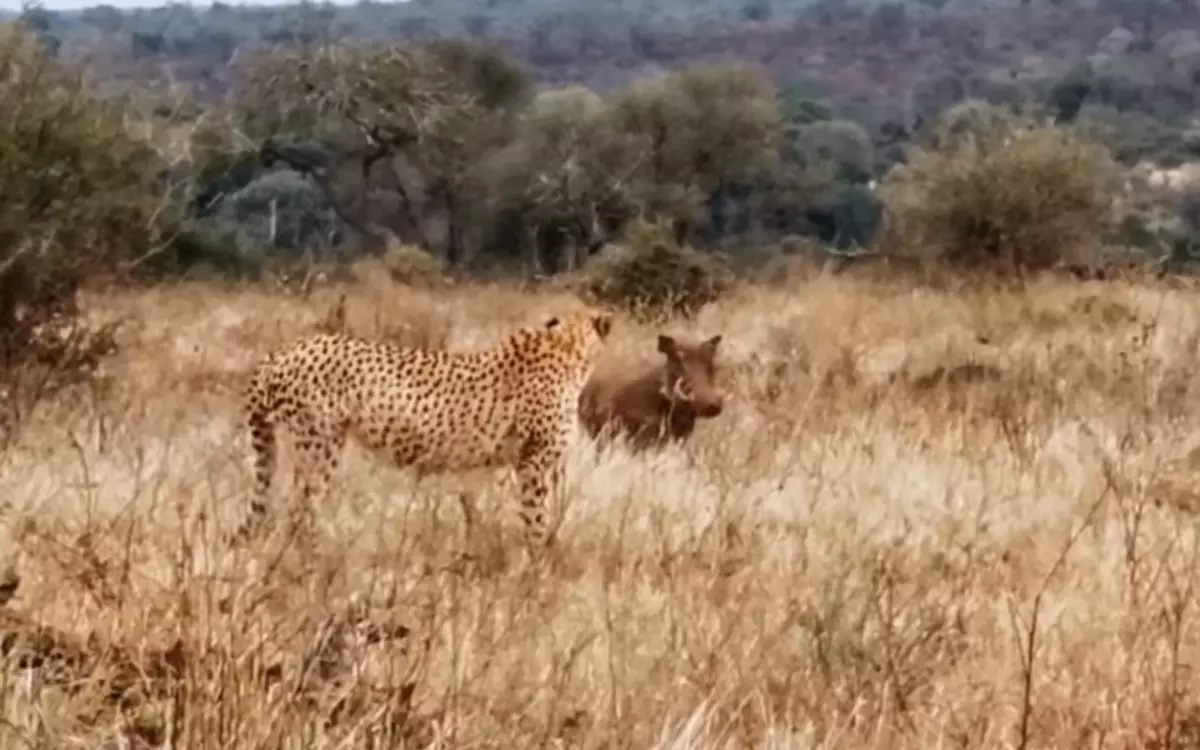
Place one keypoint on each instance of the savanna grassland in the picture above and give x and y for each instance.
(933, 514)
(929, 517)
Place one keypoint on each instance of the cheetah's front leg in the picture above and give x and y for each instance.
(539, 472)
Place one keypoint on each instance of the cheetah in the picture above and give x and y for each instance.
(513, 404)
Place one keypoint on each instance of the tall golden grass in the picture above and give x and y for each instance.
(958, 518)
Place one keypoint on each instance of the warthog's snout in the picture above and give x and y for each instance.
(710, 405)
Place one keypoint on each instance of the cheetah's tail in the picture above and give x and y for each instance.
(261, 403)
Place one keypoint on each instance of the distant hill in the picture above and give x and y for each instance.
(847, 51)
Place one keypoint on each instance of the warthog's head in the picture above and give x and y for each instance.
(689, 379)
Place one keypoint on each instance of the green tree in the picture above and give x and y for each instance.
(1133, 136)
(565, 177)
(841, 145)
(700, 129)
(1012, 195)
(392, 135)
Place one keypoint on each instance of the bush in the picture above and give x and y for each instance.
(649, 274)
(1017, 198)
(842, 145)
(208, 249)
(844, 216)
(1133, 137)
(302, 215)
(1188, 207)
(80, 201)
(405, 264)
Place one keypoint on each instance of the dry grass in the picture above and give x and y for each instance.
(928, 519)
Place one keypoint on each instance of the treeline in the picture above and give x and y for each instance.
(327, 151)
(446, 145)
(330, 151)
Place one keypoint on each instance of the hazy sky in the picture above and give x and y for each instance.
(12, 5)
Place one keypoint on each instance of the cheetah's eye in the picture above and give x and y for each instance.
(551, 323)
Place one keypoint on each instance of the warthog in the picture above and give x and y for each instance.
(661, 403)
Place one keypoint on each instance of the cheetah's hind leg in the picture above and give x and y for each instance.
(265, 449)
(317, 445)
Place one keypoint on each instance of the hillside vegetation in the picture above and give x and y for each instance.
(316, 131)
(950, 503)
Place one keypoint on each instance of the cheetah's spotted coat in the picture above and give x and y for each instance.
(514, 403)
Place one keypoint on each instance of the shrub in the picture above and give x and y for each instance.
(409, 264)
(1014, 198)
(1133, 136)
(281, 209)
(649, 274)
(80, 201)
(844, 216)
(841, 144)
(1188, 207)
(406, 264)
(209, 249)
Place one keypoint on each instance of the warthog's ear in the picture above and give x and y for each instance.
(603, 325)
(710, 346)
(666, 345)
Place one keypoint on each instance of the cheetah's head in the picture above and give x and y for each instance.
(587, 329)
(579, 335)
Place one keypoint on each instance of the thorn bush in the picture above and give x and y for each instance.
(408, 265)
(80, 203)
(649, 274)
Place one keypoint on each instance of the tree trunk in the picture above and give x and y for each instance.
(454, 234)
(533, 238)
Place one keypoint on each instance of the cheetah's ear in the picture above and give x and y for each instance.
(603, 325)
